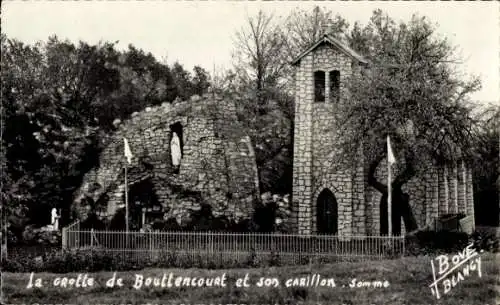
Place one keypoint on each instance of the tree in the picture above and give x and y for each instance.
(261, 78)
(201, 80)
(264, 48)
(258, 50)
(411, 92)
(182, 79)
(59, 100)
(143, 81)
(51, 93)
(304, 28)
(266, 45)
(485, 166)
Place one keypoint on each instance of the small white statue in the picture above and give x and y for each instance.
(175, 150)
(55, 219)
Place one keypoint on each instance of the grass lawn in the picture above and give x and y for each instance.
(408, 281)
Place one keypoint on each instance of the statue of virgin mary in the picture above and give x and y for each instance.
(175, 150)
(54, 219)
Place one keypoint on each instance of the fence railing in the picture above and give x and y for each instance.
(226, 246)
(67, 237)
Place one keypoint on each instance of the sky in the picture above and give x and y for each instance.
(202, 32)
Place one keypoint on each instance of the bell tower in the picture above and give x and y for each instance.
(324, 192)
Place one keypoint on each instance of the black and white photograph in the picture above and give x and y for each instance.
(250, 152)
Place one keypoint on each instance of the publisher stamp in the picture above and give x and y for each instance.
(448, 271)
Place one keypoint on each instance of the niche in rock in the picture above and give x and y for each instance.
(176, 145)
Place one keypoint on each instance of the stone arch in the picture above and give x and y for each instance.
(333, 188)
(326, 212)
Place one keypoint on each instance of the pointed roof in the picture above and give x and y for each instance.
(337, 44)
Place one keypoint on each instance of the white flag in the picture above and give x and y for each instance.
(128, 152)
(390, 155)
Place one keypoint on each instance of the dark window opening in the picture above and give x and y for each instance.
(335, 86)
(141, 197)
(319, 86)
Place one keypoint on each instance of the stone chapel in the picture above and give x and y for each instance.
(328, 200)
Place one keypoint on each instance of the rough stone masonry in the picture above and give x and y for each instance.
(218, 164)
(441, 190)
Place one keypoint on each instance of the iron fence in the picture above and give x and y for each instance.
(222, 246)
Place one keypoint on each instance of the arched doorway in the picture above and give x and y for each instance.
(326, 213)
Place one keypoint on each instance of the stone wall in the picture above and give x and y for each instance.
(218, 165)
(302, 162)
(429, 193)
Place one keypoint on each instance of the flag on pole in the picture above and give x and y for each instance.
(390, 155)
(128, 152)
(390, 161)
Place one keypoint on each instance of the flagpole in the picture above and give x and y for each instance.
(390, 160)
(128, 156)
(126, 200)
(389, 199)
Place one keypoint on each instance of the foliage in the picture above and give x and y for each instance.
(59, 100)
(440, 242)
(427, 120)
(486, 166)
(432, 242)
(410, 91)
(267, 44)
(486, 241)
(200, 81)
(304, 28)
(257, 52)
(37, 236)
(96, 259)
(265, 111)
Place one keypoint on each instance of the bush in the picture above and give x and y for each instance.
(89, 260)
(252, 260)
(10, 265)
(170, 224)
(118, 221)
(487, 241)
(93, 222)
(265, 217)
(39, 236)
(432, 242)
(204, 220)
(167, 259)
(275, 259)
